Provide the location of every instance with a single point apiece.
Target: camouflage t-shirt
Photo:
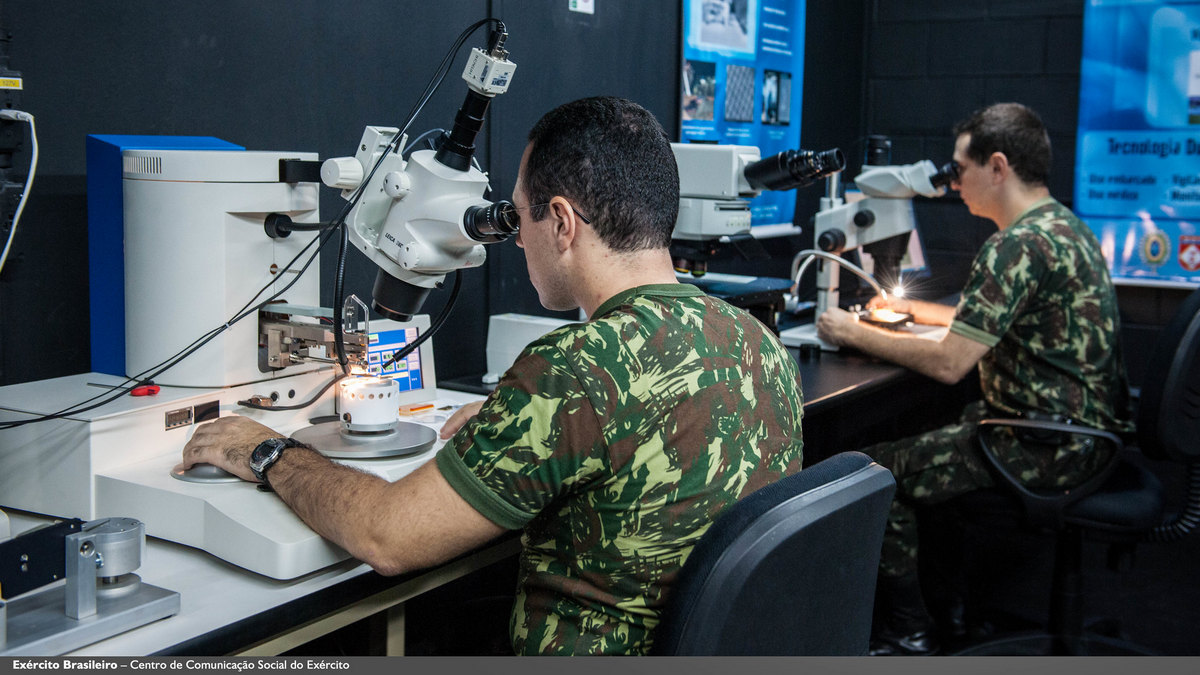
(614, 444)
(1040, 295)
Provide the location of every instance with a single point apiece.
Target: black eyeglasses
(585, 219)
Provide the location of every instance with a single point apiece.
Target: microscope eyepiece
(879, 151)
(947, 174)
(793, 169)
(492, 223)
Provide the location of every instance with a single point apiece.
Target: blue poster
(1138, 155)
(743, 65)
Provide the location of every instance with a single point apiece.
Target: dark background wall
(929, 63)
(302, 75)
(308, 75)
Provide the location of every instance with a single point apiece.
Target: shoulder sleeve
(536, 438)
(1003, 279)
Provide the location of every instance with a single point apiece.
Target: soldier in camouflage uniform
(612, 444)
(1039, 317)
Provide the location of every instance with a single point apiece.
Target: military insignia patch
(1189, 252)
(1155, 247)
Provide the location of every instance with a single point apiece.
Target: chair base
(1039, 643)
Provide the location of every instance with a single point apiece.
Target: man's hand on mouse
(226, 442)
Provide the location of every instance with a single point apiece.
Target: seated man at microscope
(1038, 317)
(612, 444)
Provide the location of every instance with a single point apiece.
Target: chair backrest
(789, 570)
(1168, 418)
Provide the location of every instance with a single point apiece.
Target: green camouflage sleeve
(1004, 277)
(535, 438)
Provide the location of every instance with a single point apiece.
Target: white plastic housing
(899, 182)
(409, 221)
(487, 74)
(196, 253)
(368, 403)
(714, 171)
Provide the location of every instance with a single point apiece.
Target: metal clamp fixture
(101, 598)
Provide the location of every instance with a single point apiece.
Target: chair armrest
(1045, 507)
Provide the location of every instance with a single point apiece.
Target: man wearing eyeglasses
(612, 444)
(1037, 317)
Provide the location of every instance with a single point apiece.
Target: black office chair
(1122, 505)
(789, 570)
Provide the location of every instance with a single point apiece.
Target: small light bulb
(898, 291)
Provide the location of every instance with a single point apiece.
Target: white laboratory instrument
(195, 251)
(716, 183)
(204, 232)
(119, 459)
(508, 335)
(423, 217)
(884, 218)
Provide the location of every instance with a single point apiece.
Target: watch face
(265, 455)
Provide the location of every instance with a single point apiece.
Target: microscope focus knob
(342, 172)
(831, 241)
(864, 218)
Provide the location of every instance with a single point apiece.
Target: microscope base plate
(800, 336)
(406, 438)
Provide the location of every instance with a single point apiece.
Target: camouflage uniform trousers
(936, 466)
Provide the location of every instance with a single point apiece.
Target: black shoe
(920, 643)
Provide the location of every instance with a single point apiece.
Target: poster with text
(743, 61)
(1138, 155)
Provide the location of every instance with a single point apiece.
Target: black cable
(146, 376)
(339, 300)
(298, 406)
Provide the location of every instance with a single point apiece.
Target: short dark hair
(1017, 131)
(613, 160)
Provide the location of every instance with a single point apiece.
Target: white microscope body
(716, 183)
(420, 218)
(885, 213)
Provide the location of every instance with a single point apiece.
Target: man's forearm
(904, 350)
(330, 498)
(412, 523)
(946, 361)
(931, 313)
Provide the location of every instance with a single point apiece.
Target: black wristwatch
(267, 453)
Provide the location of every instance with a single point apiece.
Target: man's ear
(998, 166)
(564, 222)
